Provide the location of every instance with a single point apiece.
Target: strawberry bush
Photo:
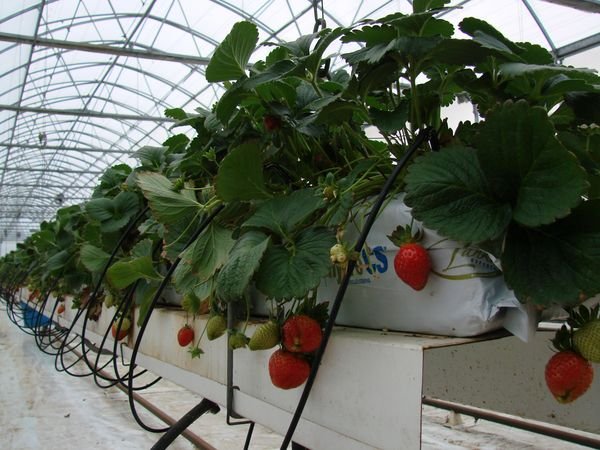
(292, 149)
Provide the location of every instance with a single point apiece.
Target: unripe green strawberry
(265, 336)
(568, 376)
(586, 341)
(237, 340)
(216, 327)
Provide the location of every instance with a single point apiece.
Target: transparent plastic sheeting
(67, 112)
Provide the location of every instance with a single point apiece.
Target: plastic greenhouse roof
(84, 83)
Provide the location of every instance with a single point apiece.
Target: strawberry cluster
(569, 372)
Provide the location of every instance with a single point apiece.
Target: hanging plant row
(289, 157)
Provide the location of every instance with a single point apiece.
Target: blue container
(32, 317)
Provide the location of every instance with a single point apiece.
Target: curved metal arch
(66, 85)
(55, 124)
(15, 178)
(34, 157)
(78, 66)
(26, 133)
(92, 124)
(102, 17)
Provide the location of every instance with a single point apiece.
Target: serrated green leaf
(111, 180)
(166, 204)
(123, 273)
(448, 192)
(232, 55)
(151, 157)
(390, 121)
(142, 248)
(175, 113)
(93, 258)
(209, 252)
(556, 264)
(234, 277)
(527, 166)
(144, 294)
(282, 215)
(514, 69)
(113, 213)
(240, 175)
(292, 271)
(58, 261)
(487, 35)
(191, 304)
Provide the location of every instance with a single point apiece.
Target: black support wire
(419, 140)
(203, 225)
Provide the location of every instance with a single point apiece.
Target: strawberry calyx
(404, 235)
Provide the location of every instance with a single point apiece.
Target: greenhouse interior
(316, 225)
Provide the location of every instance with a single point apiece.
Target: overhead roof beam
(67, 149)
(40, 197)
(578, 46)
(105, 49)
(84, 113)
(46, 185)
(53, 170)
(583, 5)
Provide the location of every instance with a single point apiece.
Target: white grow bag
(465, 295)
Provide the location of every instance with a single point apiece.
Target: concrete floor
(41, 408)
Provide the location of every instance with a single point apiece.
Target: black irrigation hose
(344, 285)
(94, 294)
(84, 348)
(205, 223)
(189, 418)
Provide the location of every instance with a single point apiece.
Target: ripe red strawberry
(412, 262)
(185, 335)
(60, 309)
(288, 370)
(271, 123)
(123, 331)
(301, 333)
(568, 376)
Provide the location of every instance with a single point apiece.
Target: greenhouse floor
(41, 408)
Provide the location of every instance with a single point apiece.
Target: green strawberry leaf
(209, 252)
(282, 214)
(142, 248)
(291, 271)
(558, 263)
(122, 273)
(113, 213)
(167, 205)
(93, 258)
(527, 166)
(58, 261)
(448, 192)
(244, 259)
(144, 294)
(232, 55)
(240, 176)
